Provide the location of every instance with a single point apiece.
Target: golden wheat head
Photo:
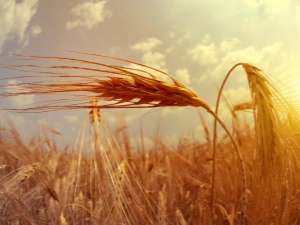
(122, 87)
(265, 116)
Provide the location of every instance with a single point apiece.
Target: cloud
(266, 58)
(147, 45)
(89, 15)
(15, 17)
(178, 38)
(36, 30)
(71, 118)
(229, 45)
(183, 75)
(155, 60)
(21, 100)
(187, 34)
(204, 53)
(150, 58)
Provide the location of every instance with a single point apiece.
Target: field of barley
(246, 175)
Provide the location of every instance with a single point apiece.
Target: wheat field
(248, 176)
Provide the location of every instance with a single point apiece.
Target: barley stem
(243, 173)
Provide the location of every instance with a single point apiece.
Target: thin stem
(243, 174)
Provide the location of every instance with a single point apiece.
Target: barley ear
(265, 118)
(243, 172)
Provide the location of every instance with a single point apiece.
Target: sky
(194, 41)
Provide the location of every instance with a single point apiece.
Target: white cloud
(89, 15)
(149, 57)
(229, 45)
(15, 17)
(204, 53)
(187, 35)
(184, 35)
(21, 100)
(36, 30)
(155, 60)
(267, 58)
(147, 45)
(71, 118)
(183, 75)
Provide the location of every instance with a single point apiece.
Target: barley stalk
(243, 173)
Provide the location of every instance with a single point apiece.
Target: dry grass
(102, 183)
